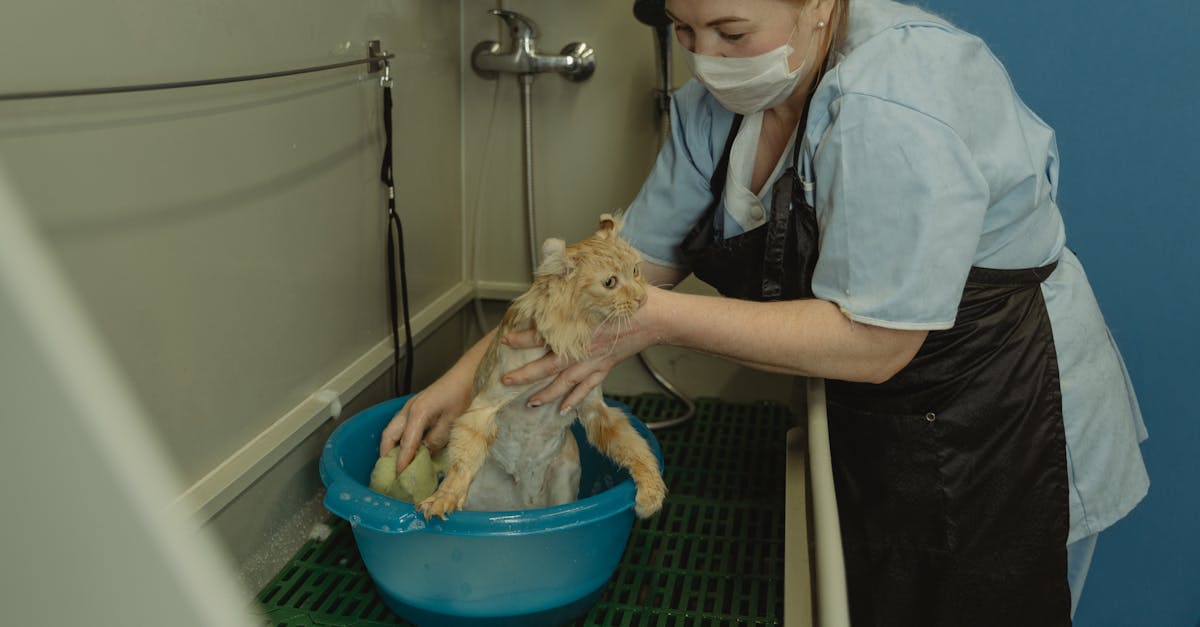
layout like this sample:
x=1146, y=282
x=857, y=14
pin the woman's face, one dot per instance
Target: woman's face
x=741, y=28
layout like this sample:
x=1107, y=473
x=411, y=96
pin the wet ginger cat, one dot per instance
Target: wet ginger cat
x=504, y=455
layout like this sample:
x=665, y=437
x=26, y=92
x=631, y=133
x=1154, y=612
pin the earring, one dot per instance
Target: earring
x=821, y=24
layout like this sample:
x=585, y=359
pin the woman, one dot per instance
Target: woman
x=877, y=206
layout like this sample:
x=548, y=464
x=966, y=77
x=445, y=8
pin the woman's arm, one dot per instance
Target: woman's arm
x=804, y=337
x=430, y=413
x=851, y=351
x=662, y=276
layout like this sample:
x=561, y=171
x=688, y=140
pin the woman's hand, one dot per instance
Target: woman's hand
x=428, y=415
x=612, y=343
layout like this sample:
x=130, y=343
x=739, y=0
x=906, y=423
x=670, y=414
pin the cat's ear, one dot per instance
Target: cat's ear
x=554, y=258
x=609, y=225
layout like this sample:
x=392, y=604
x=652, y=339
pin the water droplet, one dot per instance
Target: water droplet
x=345, y=496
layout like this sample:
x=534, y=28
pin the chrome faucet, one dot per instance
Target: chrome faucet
x=576, y=62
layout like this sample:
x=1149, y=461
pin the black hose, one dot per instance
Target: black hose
x=395, y=248
x=652, y=13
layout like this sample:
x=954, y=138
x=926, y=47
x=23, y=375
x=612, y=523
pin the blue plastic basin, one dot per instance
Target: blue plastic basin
x=532, y=567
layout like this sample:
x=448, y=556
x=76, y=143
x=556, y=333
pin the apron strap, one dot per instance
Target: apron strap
x=717, y=182
x=786, y=198
x=1019, y=276
x=708, y=229
x=712, y=215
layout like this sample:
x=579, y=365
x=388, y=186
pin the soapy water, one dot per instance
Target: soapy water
x=320, y=532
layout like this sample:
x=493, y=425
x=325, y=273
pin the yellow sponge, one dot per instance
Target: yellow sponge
x=416, y=483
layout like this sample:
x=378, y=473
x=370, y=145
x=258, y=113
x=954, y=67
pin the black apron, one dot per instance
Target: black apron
x=951, y=477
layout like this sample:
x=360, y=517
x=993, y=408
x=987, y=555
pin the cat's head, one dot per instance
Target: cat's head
x=602, y=273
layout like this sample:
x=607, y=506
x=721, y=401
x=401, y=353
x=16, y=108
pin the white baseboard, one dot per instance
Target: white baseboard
x=204, y=498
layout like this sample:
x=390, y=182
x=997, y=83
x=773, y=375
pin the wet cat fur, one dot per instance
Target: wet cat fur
x=504, y=455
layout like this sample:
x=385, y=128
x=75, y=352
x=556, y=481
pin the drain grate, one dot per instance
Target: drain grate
x=712, y=556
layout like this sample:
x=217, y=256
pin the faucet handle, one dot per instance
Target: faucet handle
x=520, y=27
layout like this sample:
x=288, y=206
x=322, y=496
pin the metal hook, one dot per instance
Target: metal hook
x=386, y=79
x=380, y=57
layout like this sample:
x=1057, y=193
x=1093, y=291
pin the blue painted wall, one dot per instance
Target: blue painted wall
x=1120, y=81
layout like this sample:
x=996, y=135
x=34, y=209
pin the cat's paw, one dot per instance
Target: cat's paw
x=650, y=495
x=441, y=503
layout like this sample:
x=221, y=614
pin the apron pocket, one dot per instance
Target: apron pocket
x=889, y=480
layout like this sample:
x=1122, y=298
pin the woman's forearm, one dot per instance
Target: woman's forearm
x=464, y=369
x=805, y=337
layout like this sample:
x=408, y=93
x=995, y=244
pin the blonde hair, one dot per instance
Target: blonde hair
x=839, y=21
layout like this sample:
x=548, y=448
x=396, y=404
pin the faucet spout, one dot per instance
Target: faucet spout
x=520, y=27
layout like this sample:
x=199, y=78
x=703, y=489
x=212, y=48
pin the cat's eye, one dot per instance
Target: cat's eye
x=610, y=282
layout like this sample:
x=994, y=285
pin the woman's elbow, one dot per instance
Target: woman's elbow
x=896, y=350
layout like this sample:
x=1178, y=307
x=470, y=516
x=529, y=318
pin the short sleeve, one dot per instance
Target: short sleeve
x=677, y=192
x=900, y=204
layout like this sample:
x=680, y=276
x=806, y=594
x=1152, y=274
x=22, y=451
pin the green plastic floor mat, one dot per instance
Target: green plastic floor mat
x=712, y=556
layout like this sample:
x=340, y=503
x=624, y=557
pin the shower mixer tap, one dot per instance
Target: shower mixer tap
x=576, y=61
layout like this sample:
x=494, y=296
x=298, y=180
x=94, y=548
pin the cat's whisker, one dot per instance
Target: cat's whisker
x=612, y=347
x=608, y=317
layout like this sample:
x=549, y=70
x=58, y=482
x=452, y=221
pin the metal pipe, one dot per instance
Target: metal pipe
x=375, y=58
x=832, y=600
x=527, y=129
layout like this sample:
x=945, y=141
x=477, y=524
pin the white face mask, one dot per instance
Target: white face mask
x=747, y=85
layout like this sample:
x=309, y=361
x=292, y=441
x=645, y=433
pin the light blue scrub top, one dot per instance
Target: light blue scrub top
x=926, y=163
